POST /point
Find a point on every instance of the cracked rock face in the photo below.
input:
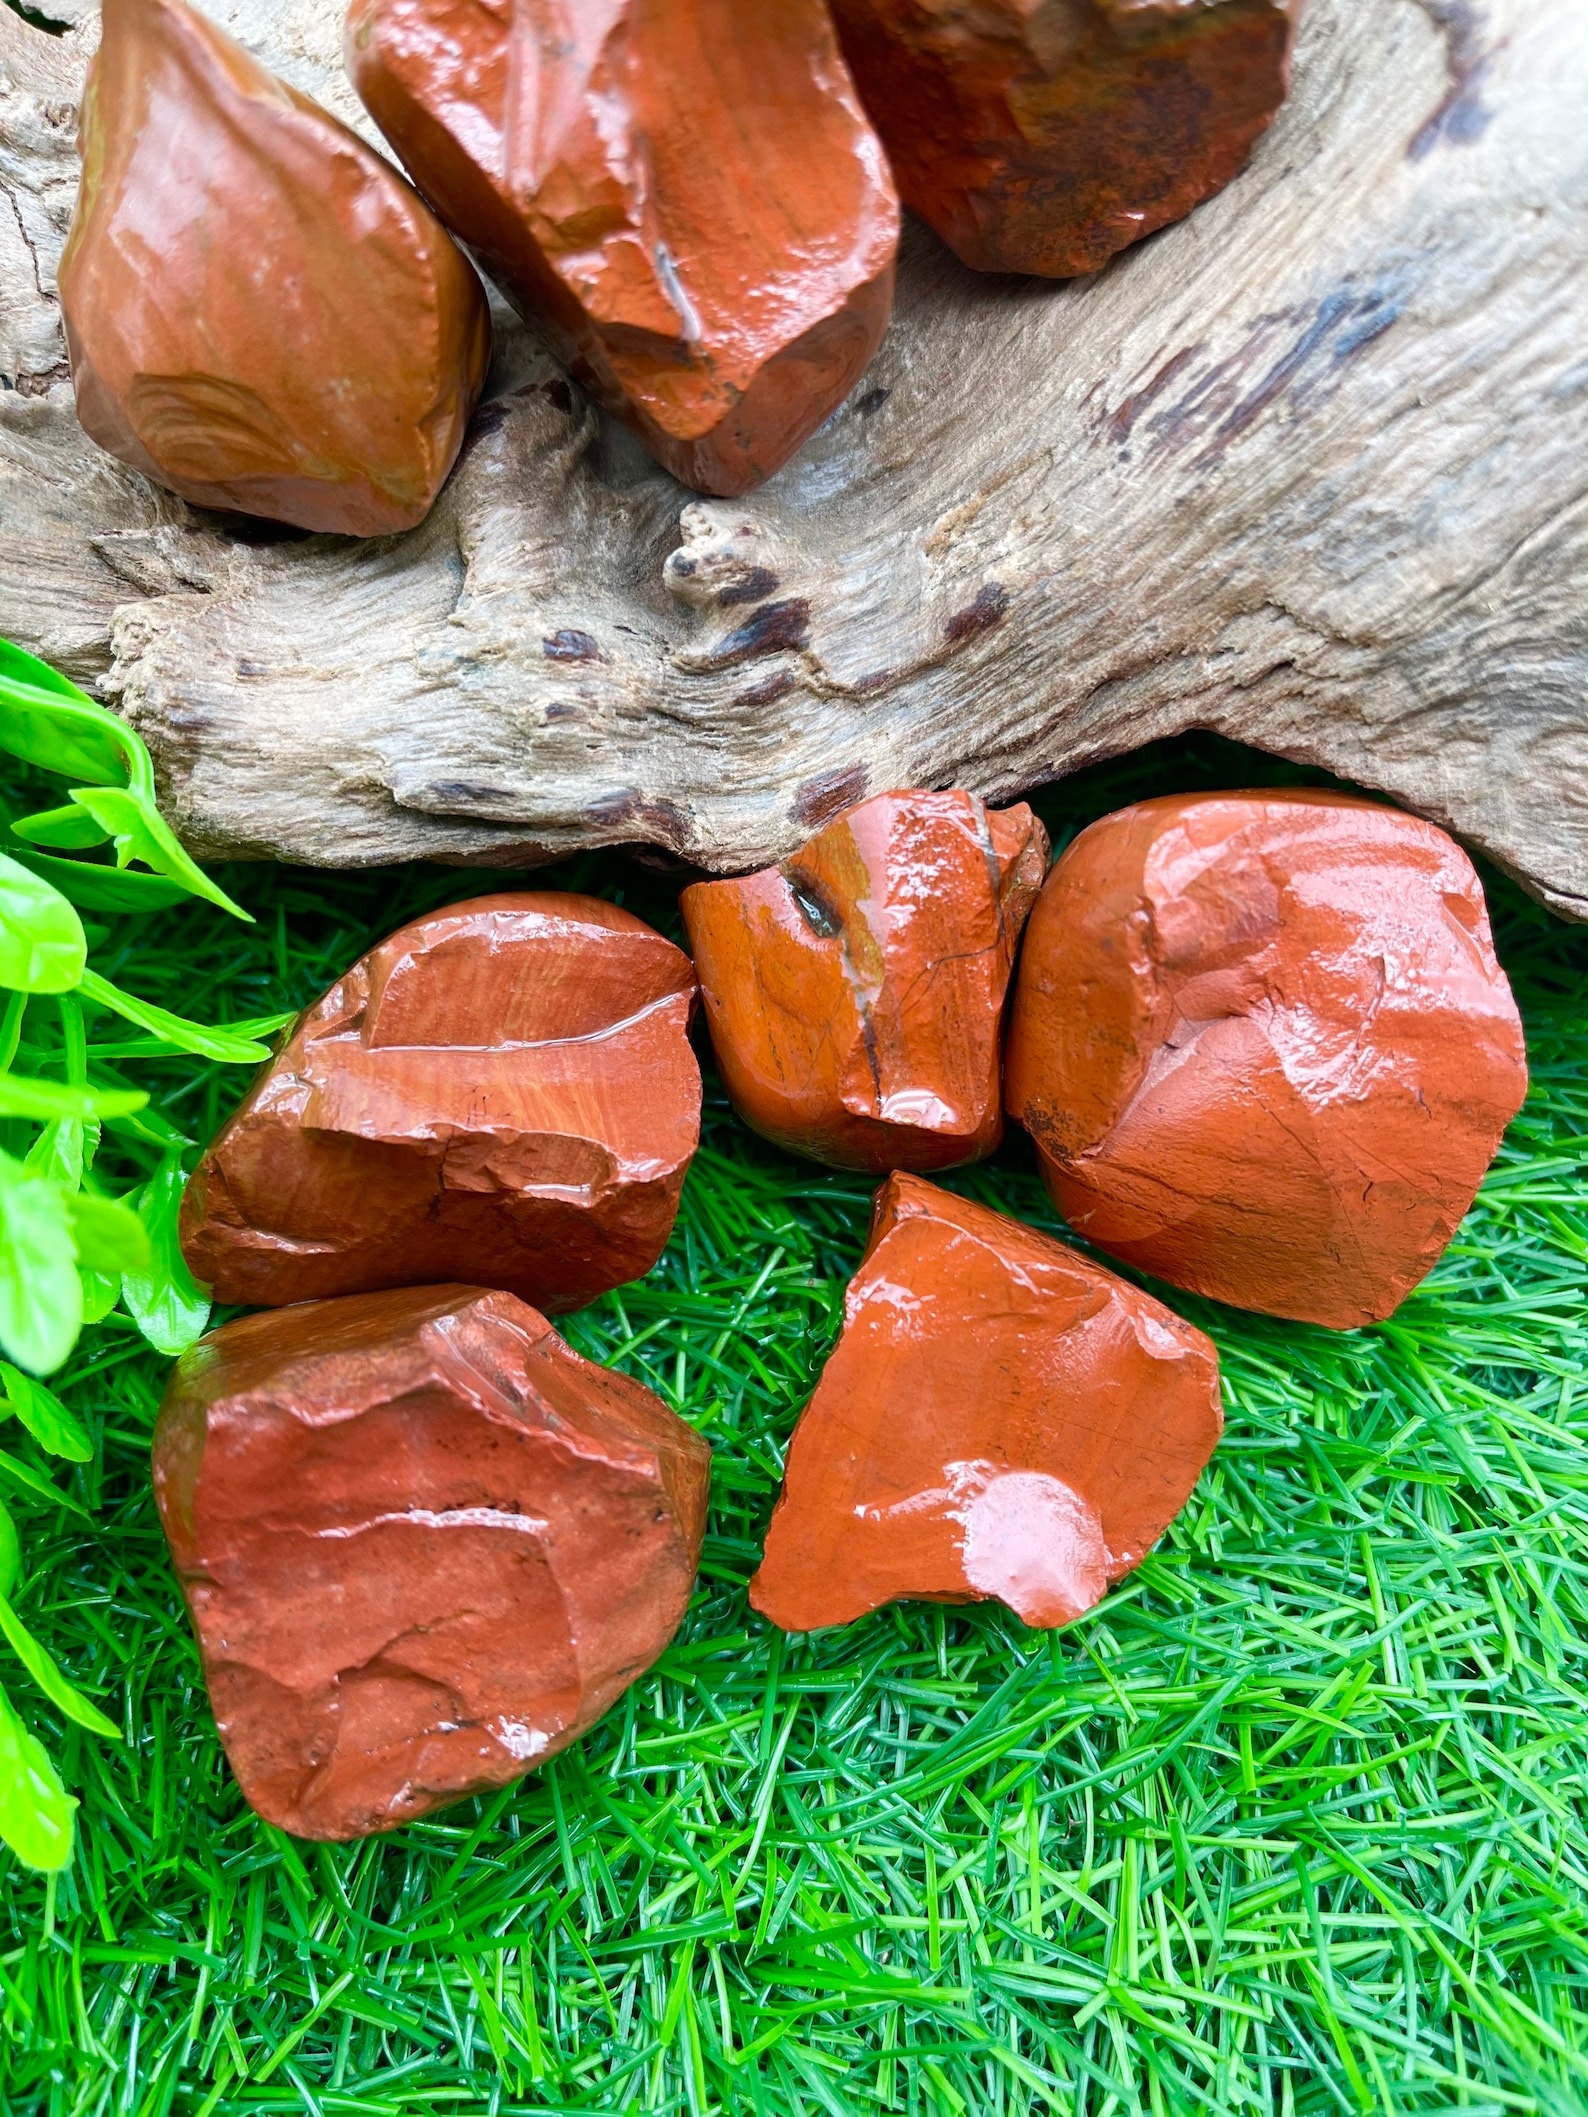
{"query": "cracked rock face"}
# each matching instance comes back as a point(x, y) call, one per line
point(424, 1546)
point(502, 1092)
point(687, 200)
point(855, 993)
point(261, 314)
point(1265, 1048)
point(1045, 139)
point(1001, 1418)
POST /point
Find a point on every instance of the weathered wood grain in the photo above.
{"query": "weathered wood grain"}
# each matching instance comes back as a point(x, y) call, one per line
point(1309, 468)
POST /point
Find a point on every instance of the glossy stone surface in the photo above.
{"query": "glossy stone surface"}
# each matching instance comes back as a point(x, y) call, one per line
point(261, 314)
point(855, 993)
point(1265, 1047)
point(424, 1546)
point(685, 199)
point(999, 1418)
point(1044, 139)
point(502, 1092)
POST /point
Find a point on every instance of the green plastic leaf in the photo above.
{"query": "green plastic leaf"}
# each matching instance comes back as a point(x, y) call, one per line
point(46, 1673)
point(222, 1044)
point(46, 721)
point(41, 1488)
point(110, 1237)
point(47, 1100)
point(101, 1292)
point(10, 1551)
point(41, 1296)
point(70, 828)
point(36, 1811)
point(94, 887)
point(42, 948)
point(142, 833)
point(63, 1150)
point(163, 1299)
point(57, 1431)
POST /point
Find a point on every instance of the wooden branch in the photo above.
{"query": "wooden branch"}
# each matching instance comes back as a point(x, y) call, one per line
point(1309, 468)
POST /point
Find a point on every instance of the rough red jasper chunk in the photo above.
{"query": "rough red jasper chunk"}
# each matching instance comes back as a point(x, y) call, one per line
point(686, 199)
point(502, 1092)
point(261, 313)
point(856, 993)
point(1043, 139)
point(999, 1418)
point(424, 1546)
point(1265, 1048)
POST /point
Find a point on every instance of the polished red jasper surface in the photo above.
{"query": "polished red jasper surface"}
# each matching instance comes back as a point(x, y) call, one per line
point(261, 313)
point(856, 993)
point(424, 1546)
point(1044, 139)
point(1000, 1418)
point(1265, 1047)
point(685, 198)
point(502, 1092)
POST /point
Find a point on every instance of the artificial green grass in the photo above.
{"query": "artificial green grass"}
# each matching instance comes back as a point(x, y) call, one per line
point(1294, 1822)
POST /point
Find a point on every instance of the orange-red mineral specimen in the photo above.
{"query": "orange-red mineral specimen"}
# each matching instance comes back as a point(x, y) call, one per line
point(502, 1092)
point(856, 993)
point(261, 314)
point(1264, 1046)
point(424, 1546)
point(685, 198)
point(1000, 1418)
point(1045, 138)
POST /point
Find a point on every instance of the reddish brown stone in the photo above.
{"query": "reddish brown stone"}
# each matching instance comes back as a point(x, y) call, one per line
point(686, 200)
point(999, 1418)
point(424, 1546)
point(856, 993)
point(502, 1093)
point(261, 314)
point(1043, 139)
point(1265, 1048)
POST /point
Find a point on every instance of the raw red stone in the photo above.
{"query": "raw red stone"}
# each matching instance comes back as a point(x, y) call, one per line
point(1043, 139)
point(686, 200)
point(1265, 1047)
point(502, 1092)
point(424, 1546)
point(261, 314)
point(999, 1418)
point(856, 993)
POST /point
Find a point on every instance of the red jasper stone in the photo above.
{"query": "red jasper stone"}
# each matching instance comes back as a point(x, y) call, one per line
point(424, 1546)
point(686, 200)
point(1044, 139)
point(999, 1418)
point(261, 314)
point(1265, 1048)
point(856, 993)
point(502, 1092)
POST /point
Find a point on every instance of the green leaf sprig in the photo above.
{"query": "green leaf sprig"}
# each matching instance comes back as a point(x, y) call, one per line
point(70, 1251)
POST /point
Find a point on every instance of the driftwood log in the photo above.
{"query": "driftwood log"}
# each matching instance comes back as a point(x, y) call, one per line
point(1309, 468)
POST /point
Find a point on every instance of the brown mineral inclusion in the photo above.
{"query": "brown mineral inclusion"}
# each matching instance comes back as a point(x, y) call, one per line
point(686, 199)
point(856, 993)
point(1264, 1046)
point(502, 1092)
point(999, 1418)
point(1045, 138)
point(261, 314)
point(423, 1543)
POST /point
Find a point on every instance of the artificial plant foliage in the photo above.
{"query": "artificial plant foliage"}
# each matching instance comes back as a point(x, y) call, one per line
point(73, 1245)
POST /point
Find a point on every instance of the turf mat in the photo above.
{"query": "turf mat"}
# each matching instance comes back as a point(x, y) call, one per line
point(1295, 1822)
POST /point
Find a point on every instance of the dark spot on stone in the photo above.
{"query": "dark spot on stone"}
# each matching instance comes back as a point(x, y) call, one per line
point(683, 567)
point(1459, 117)
point(253, 668)
point(41, 381)
point(872, 402)
point(980, 616)
point(563, 709)
point(757, 585)
point(765, 694)
point(488, 419)
point(559, 393)
point(774, 628)
point(570, 646)
point(822, 798)
point(813, 904)
point(1120, 421)
point(467, 793)
point(654, 815)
